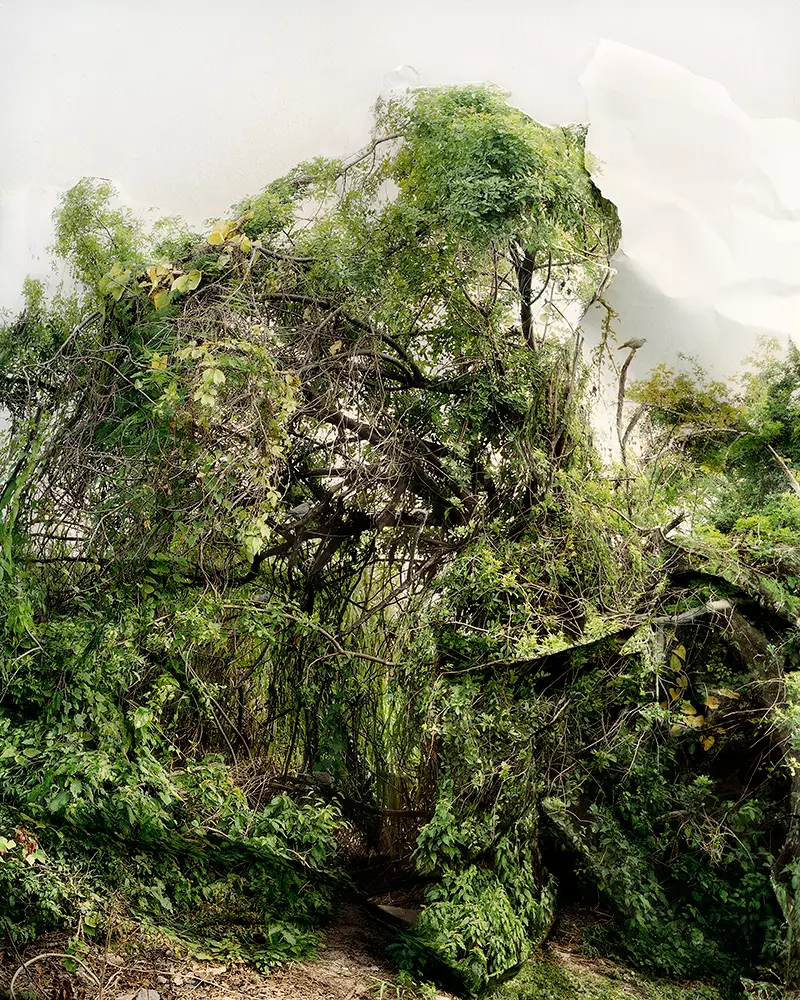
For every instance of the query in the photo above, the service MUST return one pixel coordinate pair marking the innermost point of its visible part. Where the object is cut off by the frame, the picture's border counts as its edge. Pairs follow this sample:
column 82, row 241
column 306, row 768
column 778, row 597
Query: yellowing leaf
column 245, row 246
column 680, row 652
column 712, row 702
column 223, row 230
column 682, row 681
column 186, row 282
column 335, row 347
column 160, row 299
column 675, row 693
column 158, row 362
column 159, row 274
column 687, row 709
column 674, row 730
column 727, row 693
column 695, row 721
column 707, row 742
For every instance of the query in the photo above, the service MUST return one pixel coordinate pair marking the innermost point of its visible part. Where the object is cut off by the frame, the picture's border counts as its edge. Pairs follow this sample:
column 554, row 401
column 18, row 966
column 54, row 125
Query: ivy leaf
column 58, row 801
column 114, row 282
column 222, row 231
column 676, row 663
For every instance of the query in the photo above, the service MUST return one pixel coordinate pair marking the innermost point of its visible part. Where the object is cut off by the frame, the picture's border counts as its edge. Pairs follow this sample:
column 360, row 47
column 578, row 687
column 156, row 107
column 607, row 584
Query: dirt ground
column 352, row 965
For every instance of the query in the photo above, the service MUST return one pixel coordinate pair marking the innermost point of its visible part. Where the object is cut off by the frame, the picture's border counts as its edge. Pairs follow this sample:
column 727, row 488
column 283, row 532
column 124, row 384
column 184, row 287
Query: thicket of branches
column 304, row 531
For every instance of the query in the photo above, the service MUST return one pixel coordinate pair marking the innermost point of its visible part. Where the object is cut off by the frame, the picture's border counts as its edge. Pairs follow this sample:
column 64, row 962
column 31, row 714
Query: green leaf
column 57, row 803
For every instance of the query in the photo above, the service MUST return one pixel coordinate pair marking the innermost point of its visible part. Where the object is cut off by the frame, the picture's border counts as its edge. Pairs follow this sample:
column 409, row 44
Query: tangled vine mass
column 308, row 554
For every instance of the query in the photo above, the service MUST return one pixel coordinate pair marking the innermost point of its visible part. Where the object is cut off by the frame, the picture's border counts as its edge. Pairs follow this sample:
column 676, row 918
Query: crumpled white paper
column 709, row 200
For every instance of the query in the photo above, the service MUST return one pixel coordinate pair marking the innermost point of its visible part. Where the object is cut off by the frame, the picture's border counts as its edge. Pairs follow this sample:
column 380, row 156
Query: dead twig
column 52, row 954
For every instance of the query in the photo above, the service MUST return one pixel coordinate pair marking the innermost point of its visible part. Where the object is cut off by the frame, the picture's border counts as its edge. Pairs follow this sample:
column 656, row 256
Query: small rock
column 177, row 979
column 217, row 970
column 161, row 980
column 126, row 996
column 144, row 994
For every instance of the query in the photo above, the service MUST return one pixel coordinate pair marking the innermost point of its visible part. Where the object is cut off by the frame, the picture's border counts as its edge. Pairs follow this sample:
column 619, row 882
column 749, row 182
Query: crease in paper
column 709, row 198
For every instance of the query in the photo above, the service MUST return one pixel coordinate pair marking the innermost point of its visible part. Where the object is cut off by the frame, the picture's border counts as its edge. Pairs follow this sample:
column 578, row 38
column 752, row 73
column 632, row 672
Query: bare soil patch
column 351, row 965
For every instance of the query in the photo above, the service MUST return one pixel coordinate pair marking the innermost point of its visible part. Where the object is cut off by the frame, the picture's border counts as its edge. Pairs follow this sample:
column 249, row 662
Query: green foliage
column 92, row 235
column 486, row 170
column 688, row 397
column 238, row 895
column 404, row 987
column 478, row 925
column 90, row 777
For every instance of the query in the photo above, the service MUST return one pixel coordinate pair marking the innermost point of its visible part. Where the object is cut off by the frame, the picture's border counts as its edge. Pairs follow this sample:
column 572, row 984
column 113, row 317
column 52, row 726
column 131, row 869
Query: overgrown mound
column 101, row 842
column 315, row 493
